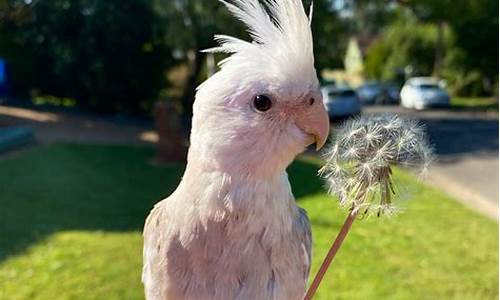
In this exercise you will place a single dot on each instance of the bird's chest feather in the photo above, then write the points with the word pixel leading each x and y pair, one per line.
pixel 238 241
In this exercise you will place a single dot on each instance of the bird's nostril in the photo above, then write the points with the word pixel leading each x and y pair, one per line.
pixel 311 101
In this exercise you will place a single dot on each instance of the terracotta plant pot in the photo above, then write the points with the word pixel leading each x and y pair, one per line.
pixel 172 144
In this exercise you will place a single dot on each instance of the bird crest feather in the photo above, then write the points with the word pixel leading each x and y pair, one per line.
pixel 281 39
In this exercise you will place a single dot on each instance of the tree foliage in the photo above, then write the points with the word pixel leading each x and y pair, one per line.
pixel 190 26
pixel 113 55
pixel 330 35
pixel 108 55
pixel 403 46
pixel 468 48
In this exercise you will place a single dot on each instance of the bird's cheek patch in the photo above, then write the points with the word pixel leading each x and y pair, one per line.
pixel 292 110
pixel 283 114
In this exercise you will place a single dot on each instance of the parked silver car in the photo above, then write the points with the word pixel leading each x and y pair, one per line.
pixel 369 92
pixel 340 101
pixel 423 92
pixel 374 92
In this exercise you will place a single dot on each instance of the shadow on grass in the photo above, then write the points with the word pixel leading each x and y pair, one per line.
pixel 303 178
pixel 91 187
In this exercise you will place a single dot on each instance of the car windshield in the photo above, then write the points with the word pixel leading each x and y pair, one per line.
pixel 428 86
pixel 342 93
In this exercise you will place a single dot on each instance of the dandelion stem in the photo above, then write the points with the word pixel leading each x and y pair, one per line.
pixel 331 253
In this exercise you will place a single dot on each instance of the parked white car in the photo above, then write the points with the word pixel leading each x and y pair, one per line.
pixel 424 92
pixel 340 101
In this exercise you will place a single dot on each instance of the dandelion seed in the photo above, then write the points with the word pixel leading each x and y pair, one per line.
pixel 359 164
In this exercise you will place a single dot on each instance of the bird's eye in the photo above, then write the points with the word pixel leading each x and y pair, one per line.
pixel 262 103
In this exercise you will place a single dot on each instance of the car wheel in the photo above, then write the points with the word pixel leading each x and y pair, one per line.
pixel 419 106
pixel 406 104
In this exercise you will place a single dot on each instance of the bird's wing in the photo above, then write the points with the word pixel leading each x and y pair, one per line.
pixel 152 264
pixel 305 236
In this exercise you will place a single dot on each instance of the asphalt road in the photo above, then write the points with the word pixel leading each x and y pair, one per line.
pixel 466 144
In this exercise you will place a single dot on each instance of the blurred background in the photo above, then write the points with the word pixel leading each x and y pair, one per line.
pixel 95 106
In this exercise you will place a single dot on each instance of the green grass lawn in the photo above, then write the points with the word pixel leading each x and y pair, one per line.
pixel 71 218
pixel 474 103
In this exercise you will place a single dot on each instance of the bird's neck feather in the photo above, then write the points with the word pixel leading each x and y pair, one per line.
pixel 218 196
pixel 236 172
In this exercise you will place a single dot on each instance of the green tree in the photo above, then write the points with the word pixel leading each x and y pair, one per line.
pixel 190 26
pixel 475 26
pixel 108 55
pixel 14 13
pixel 403 46
pixel 464 41
pixel 368 17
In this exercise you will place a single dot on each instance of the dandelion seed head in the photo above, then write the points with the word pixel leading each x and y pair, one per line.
pixel 358 164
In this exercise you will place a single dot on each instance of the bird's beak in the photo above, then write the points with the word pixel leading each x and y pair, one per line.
pixel 314 121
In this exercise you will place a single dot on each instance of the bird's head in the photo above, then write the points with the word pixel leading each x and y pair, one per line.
pixel 264 106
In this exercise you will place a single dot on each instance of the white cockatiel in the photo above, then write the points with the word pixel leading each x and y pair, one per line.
pixel 232 229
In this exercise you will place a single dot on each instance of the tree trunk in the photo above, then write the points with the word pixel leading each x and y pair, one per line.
pixel 438 54
pixel 195 66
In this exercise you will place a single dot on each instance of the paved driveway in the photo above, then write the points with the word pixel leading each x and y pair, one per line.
pixel 81 127
pixel 467 147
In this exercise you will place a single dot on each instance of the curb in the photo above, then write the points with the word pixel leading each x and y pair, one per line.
pixel 465 196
